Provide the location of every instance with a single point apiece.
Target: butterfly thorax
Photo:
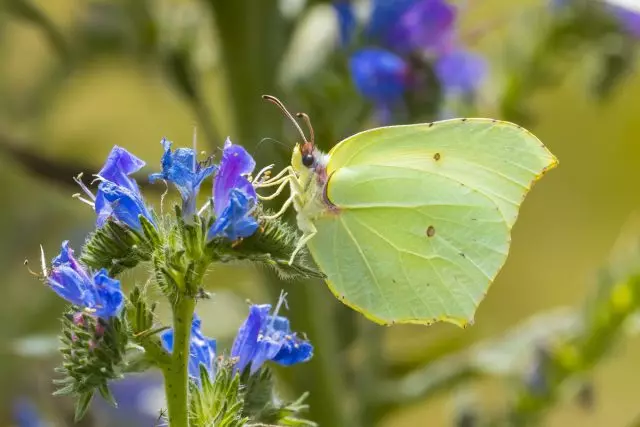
(310, 201)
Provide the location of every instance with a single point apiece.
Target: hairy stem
(175, 373)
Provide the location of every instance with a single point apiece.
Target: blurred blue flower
(118, 194)
(402, 29)
(99, 293)
(233, 195)
(181, 168)
(202, 350)
(379, 75)
(461, 71)
(140, 400)
(263, 337)
(26, 414)
(346, 20)
(426, 25)
(629, 19)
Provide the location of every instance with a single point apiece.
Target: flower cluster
(119, 199)
(399, 35)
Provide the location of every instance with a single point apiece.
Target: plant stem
(176, 374)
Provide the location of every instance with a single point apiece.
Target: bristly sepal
(118, 248)
(270, 246)
(218, 401)
(94, 353)
(263, 406)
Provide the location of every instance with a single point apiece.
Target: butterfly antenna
(286, 112)
(307, 121)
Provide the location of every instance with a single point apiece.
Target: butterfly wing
(424, 214)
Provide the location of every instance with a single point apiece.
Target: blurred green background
(565, 232)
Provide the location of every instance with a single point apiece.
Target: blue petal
(119, 165)
(124, 205)
(70, 280)
(110, 300)
(181, 168)
(245, 344)
(379, 75)
(71, 285)
(425, 25)
(235, 163)
(346, 20)
(235, 221)
(294, 350)
(461, 71)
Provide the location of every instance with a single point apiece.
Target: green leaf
(82, 405)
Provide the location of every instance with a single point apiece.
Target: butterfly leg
(306, 236)
(280, 189)
(282, 210)
(283, 175)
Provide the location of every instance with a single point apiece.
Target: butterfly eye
(308, 160)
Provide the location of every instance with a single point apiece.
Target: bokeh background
(77, 77)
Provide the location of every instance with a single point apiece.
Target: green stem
(175, 373)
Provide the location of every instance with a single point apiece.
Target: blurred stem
(369, 370)
(176, 376)
(602, 325)
(29, 12)
(313, 310)
(253, 37)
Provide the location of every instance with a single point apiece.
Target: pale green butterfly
(412, 223)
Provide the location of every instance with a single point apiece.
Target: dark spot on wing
(431, 124)
(464, 120)
(436, 157)
(431, 231)
(462, 255)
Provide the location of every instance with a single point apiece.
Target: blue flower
(460, 71)
(181, 168)
(263, 337)
(118, 194)
(233, 195)
(100, 294)
(202, 350)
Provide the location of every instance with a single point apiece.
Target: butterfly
(412, 223)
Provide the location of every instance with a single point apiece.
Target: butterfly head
(305, 154)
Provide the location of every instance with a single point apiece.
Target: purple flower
(379, 75)
(202, 350)
(118, 194)
(263, 337)
(426, 25)
(460, 71)
(233, 195)
(100, 294)
(181, 168)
